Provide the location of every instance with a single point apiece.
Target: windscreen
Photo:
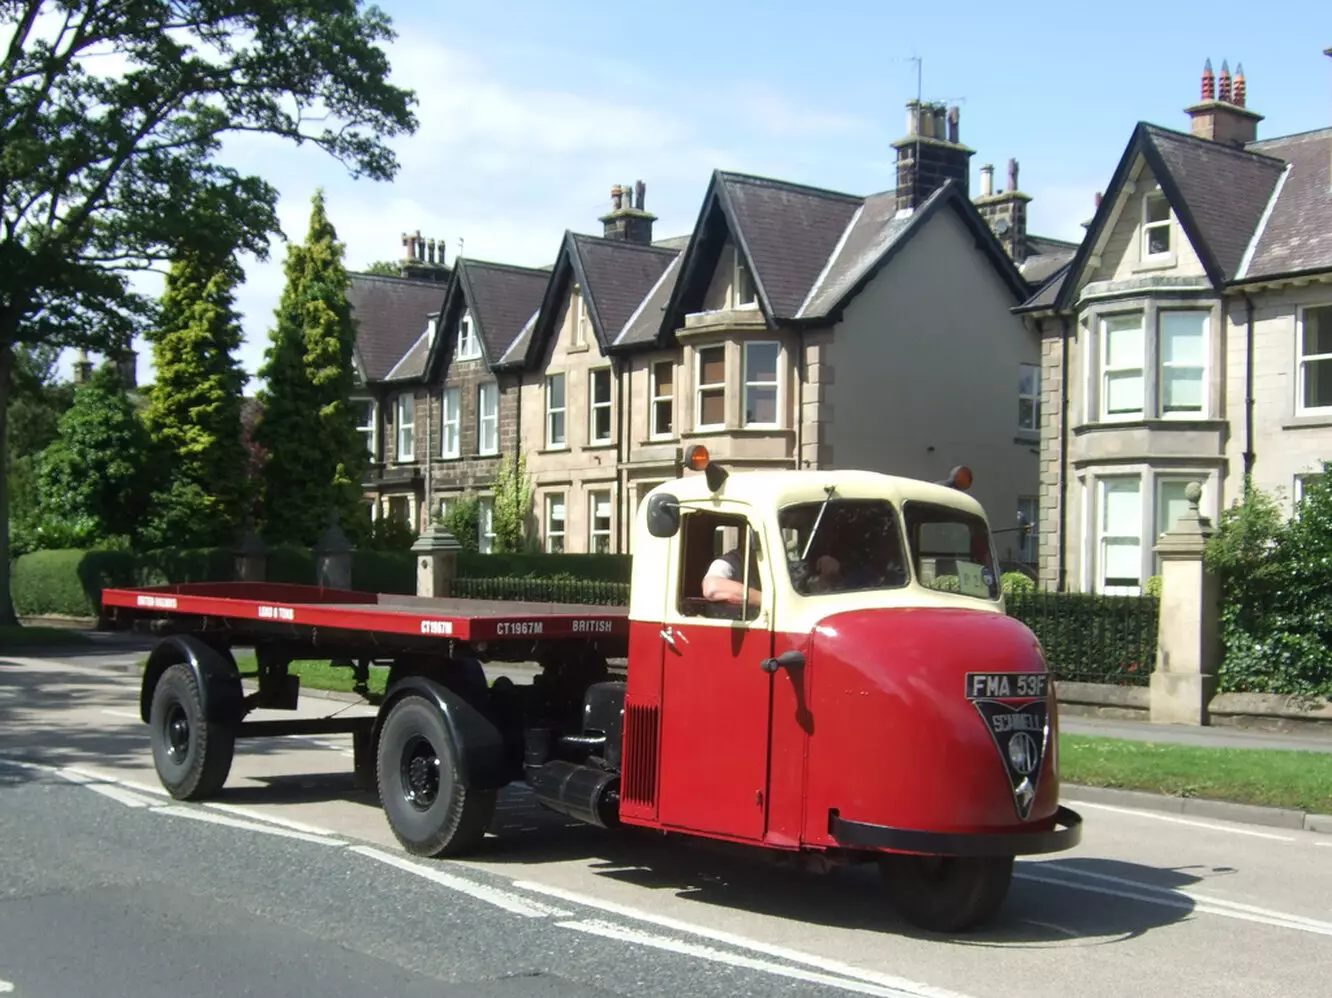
(951, 550)
(845, 545)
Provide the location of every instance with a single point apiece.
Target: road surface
(292, 883)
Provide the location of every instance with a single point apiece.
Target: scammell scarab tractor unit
(790, 675)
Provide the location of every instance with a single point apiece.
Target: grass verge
(37, 637)
(1270, 777)
(321, 675)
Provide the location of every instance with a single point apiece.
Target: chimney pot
(1223, 83)
(987, 180)
(640, 189)
(617, 197)
(1241, 88)
(952, 124)
(1012, 174)
(1208, 82)
(1099, 197)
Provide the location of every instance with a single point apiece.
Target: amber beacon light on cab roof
(812, 664)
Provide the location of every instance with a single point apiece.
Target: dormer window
(469, 345)
(1155, 226)
(742, 283)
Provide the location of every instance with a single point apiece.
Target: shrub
(68, 582)
(1016, 582)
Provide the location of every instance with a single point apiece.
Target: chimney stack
(424, 259)
(1221, 114)
(930, 154)
(628, 221)
(83, 368)
(1006, 211)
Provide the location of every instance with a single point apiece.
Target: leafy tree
(316, 457)
(384, 268)
(513, 505)
(107, 164)
(463, 521)
(194, 407)
(36, 403)
(97, 476)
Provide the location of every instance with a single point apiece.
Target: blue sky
(531, 110)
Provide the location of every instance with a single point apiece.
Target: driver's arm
(720, 585)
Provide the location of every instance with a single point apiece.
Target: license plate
(1007, 685)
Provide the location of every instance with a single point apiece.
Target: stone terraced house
(1190, 338)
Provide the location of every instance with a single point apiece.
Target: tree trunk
(7, 616)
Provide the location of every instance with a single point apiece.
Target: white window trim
(552, 499)
(593, 405)
(372, 436)
(450, 418)
(1301, 361)
(1035, 400)
(1103, 370)
(775, 385)
(581, 323)
(658, 398)
(592, 532)
(1297, 489)
(482, 418)
(700, 387)
(1149, 227)
(485, 524)
(552, 412)
(404, 423)
(739, 268)
(469, 344)
(1098, 519)
(1162, 366)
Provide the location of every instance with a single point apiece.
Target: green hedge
(593, 567)
(68, 582)
(1089, 638)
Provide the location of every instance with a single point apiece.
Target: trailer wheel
(192, 753)
(429, 810)
(947, 893)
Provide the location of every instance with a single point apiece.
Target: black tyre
(420, 788)
(192, 754)
(947, 893)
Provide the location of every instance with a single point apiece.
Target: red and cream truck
(840, 705)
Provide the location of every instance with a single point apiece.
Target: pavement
(297, 868)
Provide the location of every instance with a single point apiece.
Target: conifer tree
(316, 459)
(194, 406)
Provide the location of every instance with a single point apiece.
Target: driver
(722, 582)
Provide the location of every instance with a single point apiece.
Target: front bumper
(862, 835)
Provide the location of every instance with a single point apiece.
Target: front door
(715, 695)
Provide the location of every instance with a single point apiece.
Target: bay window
(1119, 536)
(1122, 363)
(1314, 338)
(1183, 338)
(761, 383)
(710, 381)
(663, 399)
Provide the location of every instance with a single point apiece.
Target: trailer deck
(250, 606)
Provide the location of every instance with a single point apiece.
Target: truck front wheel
(192, 753)
(420, 787)
(947, 893)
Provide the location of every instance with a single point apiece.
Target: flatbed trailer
(885, 721)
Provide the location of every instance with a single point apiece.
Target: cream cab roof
(775, 489)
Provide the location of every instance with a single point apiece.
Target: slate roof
(1259, 212)
(1045, 257)
(502, 298)
(390, 313)
(644, 325)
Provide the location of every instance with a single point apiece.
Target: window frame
(713, 386)
(550, 500)
(482, 419)
(742, 276)
(581, 322)
(1104, 370)
(401, 424)
(485, 524)
(1149, 227)
(467, 337)
(446, 423)
(775, 385)
(1034, 398)
(592, 532)
(1303, 361)
(658, 399)
(1162, 365)
(594, 407)
(562, 412)
(1029, 543)
(369, 429)
(1101, 535)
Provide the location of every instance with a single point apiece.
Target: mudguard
(215, 672)
(477, 743)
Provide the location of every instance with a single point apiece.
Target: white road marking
(295, 826)
(254, 826)
(640, 938)
(902, 985)
(123, 713)
(1052, 926)
(1323, 843)
(6, 988)
(1174, 820)
(1184, 900)
(501, 899)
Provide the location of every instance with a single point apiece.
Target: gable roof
(390, 314)
(785, 232)
(1219, 193)
(614, 276)
(501, 297)
(1296, 235)
(644, 325)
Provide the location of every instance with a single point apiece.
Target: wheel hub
(420, 773)
(177, 733)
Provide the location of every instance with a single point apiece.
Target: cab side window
(706, 537)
